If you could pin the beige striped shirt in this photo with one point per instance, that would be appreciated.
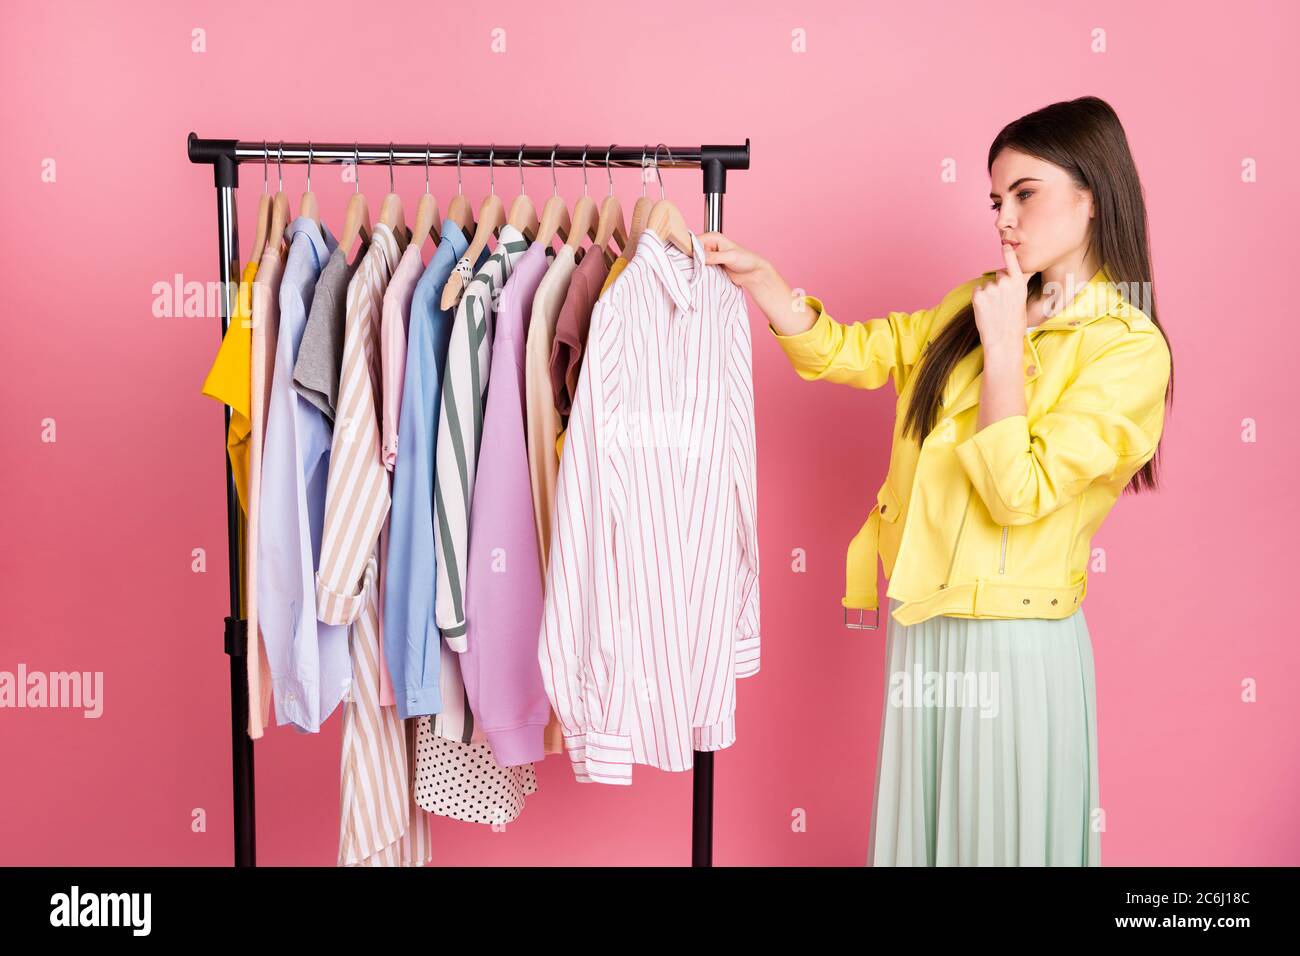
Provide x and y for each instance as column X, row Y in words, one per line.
column 380, row 824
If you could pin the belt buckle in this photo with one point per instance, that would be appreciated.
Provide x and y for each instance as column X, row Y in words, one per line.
column 859, row 626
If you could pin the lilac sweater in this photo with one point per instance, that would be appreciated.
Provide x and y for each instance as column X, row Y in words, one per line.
column 503, row 578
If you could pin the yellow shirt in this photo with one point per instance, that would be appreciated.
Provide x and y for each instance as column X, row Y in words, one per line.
column 615, row 268
column 999, row 520
column 229, row 381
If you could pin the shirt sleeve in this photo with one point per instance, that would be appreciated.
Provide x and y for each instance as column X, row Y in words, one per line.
column 392, row 357
column 864, row 354
column 580, row 647
column 1105, row 426
column 411, row 642
column 503, row 587
column 284, row 555
column 744, row 468
column 455, row 463
column 356, row 497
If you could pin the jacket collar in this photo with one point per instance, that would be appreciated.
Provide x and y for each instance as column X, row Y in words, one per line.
column 669, row 264
column 1097, row 298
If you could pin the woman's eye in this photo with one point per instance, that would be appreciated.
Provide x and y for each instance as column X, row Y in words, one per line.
column 1022, row 196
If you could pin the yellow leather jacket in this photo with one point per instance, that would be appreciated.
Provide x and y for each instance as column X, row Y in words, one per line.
column 998, row 522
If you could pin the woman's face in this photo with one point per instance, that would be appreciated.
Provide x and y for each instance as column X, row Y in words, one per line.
column 1038, row 207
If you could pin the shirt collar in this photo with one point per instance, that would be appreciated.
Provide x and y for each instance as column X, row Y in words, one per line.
column 322, row 242
column 452, row 234
column 509, row 234
column 664, row 259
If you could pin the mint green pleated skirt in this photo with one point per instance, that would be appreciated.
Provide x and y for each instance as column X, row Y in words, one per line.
column 988, row 745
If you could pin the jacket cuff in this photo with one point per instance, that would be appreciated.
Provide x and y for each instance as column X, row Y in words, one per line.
column 747, row 656
column 810, row 348
column 988, row 455
column 518, row 745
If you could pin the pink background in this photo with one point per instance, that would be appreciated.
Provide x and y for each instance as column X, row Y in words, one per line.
column 845, row 196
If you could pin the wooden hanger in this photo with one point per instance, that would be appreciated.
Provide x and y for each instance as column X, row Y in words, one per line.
column 666, row 219
column 308, row 206
column 263, row 212
column 555, row 214
column 460, row 212
column 640, row 214
column 356, row 220
column 279, row 209
column 426, row 212
column 491, row 217
column 390, row 211
column 610, row 223
column 584, row 216
column 523, row 215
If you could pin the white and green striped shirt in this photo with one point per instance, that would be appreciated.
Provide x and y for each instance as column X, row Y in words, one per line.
column 460, row 429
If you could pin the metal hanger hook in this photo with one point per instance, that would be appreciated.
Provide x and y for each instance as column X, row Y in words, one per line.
column 356, row 168
column 584, row 168
column 308, row 165
column 279, row 165
column 521, row 169
column 492, row 175
column 459, row 190
column 609, row 172
column 643, row 170
column 426, row 167
column 390, row 168
column 657, row 172
column 555, row 190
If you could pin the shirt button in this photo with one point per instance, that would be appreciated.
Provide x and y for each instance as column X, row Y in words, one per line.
column 1032, row 369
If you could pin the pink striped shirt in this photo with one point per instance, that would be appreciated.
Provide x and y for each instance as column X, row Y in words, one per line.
column 651, row 599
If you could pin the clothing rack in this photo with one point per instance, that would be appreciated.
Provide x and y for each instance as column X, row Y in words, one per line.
column 225, row 156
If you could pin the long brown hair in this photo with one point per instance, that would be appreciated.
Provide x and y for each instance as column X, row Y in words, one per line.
column 1084, row 137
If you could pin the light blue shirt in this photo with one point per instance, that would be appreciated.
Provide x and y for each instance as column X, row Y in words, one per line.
column 411, row 637
column 311, row 669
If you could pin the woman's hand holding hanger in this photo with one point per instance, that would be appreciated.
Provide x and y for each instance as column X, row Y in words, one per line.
column 786, row 312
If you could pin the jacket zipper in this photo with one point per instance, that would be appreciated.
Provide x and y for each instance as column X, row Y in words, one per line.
column 1002, row 568
column 952, row 562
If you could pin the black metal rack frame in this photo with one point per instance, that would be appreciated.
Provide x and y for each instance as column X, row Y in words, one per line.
column 225, row 156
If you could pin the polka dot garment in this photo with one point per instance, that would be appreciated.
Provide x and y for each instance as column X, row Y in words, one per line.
column 463, row 780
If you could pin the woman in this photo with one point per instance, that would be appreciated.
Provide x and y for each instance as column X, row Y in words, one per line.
column 1028, row 400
